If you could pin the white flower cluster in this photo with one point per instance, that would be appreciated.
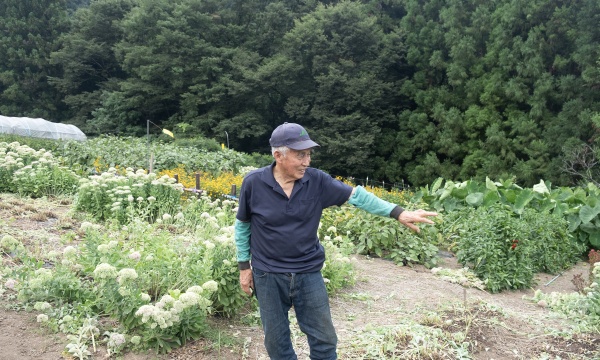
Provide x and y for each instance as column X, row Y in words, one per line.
column 41, row 276
column 70, row 252
column 125, row 275
column 166, row 312
column 209, row 245
column 135, row 340
column 225, row 239
column 86, row 225
column 210, row 286
column 105, row 271
column 196, row 289
column 8, row 243
column 42, row 306
column 15, row 153
column 115, row 340
column 106, row 248
column 245, row 169
column 124, row 189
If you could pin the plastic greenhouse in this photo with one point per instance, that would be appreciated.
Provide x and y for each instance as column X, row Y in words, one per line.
column 39, row 128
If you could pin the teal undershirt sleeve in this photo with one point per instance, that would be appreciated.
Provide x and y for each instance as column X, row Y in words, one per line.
column 242, row 240
column 369, row 202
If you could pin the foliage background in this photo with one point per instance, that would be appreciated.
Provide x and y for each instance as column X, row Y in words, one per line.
column 393, row 90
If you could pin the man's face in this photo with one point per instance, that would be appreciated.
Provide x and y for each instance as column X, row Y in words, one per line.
column 294, row 163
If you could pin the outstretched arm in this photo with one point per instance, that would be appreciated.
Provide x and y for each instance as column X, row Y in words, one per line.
column 367, row 201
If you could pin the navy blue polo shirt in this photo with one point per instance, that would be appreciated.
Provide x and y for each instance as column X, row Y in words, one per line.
column 284, row 230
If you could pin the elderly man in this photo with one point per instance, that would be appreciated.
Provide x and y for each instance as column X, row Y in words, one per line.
column 276, row 226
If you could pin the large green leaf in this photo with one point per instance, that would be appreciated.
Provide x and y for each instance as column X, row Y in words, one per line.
column 547, row 205
column 460, row 193
column 490, row 198
column 591, row 201
column 588, row 213
column 489, row 184
column 561, row 208
column 523, row 198
column 474, row 199
column 595, row 240
column 436, row 184
column 451, row 204
column 563, row 194
column 574, row 222
column 590, row 228
column 447, row 190
column 509, row 195
column 473, row 186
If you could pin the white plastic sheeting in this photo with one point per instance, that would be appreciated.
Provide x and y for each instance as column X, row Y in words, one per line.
column 39, row 128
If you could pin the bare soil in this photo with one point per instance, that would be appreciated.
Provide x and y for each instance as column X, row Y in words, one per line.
column 498, row 326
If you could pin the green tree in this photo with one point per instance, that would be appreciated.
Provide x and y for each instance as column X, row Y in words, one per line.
column 499, row 88
column 29, row 31
column 90, row 67
column 337, row 72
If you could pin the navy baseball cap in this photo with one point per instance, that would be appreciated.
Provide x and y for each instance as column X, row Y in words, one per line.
column 291, row 135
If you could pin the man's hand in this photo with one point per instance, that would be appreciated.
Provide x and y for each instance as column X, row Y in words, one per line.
column 246, row 281
column 409, row 218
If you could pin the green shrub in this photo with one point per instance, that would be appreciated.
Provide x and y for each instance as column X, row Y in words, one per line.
column 34, row 173
column 506, row 250
column 33, row 142
column 45, row 177
column 126, row 197
column 383, row 237
column 554, row 249
column 494, row 245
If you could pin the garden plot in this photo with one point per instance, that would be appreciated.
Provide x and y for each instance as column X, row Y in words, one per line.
column 391, row 312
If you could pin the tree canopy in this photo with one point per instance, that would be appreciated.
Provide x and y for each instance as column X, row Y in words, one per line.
column 392, row 89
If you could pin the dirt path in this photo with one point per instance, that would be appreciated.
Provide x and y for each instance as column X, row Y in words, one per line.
column 384, row 295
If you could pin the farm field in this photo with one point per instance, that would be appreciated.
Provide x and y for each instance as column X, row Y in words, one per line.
column 390, row 307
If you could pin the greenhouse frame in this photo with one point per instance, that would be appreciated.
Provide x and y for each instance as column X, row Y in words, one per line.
column 39, row 128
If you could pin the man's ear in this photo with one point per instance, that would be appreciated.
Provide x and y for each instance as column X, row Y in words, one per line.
column 278, row 155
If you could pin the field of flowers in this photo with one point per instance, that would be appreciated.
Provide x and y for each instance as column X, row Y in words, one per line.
column 158, row 261
column 153, row 260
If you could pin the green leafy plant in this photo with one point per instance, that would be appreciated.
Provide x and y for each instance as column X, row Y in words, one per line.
column 383, row 237
column 493, row 246
column 505, row 250
column 44, row 178
column 34, row 173
column 125, row 197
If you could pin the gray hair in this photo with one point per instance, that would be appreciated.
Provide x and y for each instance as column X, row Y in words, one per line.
column 281, row 149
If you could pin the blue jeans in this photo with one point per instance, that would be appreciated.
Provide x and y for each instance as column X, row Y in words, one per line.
column 276, row 293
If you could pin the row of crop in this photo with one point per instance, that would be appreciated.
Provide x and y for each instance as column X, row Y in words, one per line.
column 38, row 173
column 503, row 246
column 114, row 195
column 158, row 280
column 580, row 206
column 97, row 155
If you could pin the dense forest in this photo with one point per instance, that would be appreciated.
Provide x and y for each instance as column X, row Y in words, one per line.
column 392, row 89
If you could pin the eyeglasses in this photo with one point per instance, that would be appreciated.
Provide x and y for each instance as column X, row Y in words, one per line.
column 301, row 155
